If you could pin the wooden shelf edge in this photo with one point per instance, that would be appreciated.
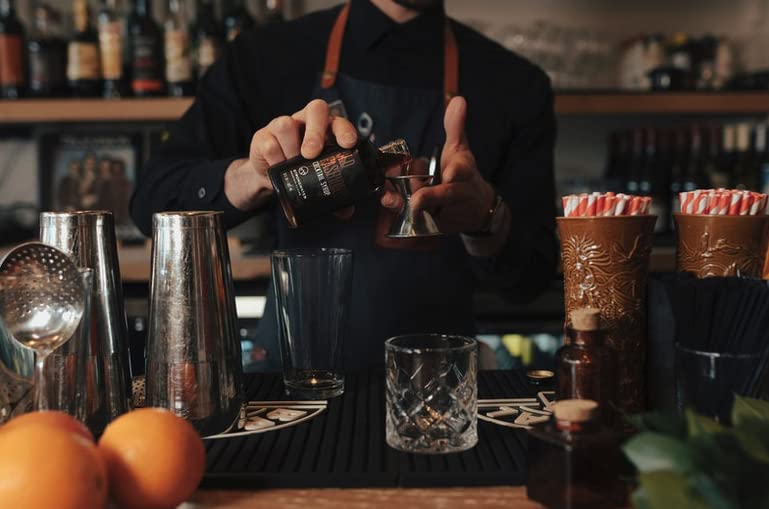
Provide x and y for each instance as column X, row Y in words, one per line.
column 661, row 103
column 566, row 104
column 91, row 110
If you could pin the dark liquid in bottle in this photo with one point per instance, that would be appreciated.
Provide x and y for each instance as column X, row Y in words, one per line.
column 338, row 178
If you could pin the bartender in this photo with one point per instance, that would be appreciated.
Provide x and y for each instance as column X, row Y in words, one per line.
column 397, row 69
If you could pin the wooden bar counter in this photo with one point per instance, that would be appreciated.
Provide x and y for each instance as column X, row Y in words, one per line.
column 446, row 498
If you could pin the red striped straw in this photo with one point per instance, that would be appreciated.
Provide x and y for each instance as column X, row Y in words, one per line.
column 600, row 204
column 734, row 203
column 746, row 204
column 591, row 203
column 700, row 204
column 582, row 205
column 712, row 206
column 757, row 200
column 692, row 204
column 646, row 205
column 620, row 205
column 634, row 208
column 609, row 204
column 724, row 199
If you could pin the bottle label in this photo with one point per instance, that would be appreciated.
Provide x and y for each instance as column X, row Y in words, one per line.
column 308, row 189
column 178, row 60
column 83, row 61
column 208, row 52
column 147, row 73
column 111, row 46
column 11, row 61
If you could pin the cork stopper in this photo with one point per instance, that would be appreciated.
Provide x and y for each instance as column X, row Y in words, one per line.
column 585, row 319
column 575, row 410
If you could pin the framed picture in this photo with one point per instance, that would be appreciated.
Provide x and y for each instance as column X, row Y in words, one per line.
column 91, row 171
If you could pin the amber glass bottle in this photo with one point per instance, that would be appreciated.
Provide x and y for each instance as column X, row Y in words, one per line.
column 308, row 189
column 573, row 461
column 584, row 366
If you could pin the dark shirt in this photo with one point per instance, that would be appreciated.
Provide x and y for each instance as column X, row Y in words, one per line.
column 271, row 71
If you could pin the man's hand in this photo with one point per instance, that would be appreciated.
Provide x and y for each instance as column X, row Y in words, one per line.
column 461, row 202
column 304, row 133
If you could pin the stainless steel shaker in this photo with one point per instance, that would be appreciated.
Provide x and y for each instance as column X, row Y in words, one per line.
column 193, row 348
column 89, row 237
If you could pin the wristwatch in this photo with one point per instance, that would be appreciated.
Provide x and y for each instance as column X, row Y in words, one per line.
column 493, row 217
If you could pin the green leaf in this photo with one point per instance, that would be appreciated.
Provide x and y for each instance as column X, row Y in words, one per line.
column 668, row 423
column 700, row 425
column 709, row 490
column 745, row 407
column 640, row 500
column 668, row 490
column 753, row 435
column 650, row 452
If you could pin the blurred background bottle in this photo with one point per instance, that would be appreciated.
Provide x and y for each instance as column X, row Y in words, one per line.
column 179, row 78
column 111, row 33
column 47, row 55
column 12, row 69
column 83, row 60
column 147, row 69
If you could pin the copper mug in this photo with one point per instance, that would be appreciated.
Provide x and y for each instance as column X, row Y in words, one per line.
column 606, row 266
column 721, row 245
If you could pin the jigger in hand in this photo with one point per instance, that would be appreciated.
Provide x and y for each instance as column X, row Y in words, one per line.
column 42, row 300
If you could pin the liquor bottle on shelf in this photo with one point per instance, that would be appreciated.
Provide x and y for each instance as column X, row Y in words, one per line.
column 653, row 180
column 47, row 55
column 236, row 18
column 179, row 76
column 743, row 170
column 679, row 166
column 712, row 158
column 147, row 67
column 726, row 158
column 111, row 42
column 207, row 37
column 83, row 61
column 762, row 156
column 273, row 12
column 12, row 69
column 636, row 162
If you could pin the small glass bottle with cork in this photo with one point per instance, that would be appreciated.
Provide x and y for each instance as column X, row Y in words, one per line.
column 574, row 461
column 585, row 366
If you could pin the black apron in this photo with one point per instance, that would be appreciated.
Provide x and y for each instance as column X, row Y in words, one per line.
column 396, row 290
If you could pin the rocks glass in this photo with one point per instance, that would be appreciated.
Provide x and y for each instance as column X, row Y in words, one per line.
column 431, row 393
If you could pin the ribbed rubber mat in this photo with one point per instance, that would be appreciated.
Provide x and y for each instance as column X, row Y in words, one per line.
column 345, row 446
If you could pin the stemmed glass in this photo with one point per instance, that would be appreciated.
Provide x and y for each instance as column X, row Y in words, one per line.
column 42, row 300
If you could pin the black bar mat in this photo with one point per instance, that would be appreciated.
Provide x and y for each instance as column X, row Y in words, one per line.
column 345, row 445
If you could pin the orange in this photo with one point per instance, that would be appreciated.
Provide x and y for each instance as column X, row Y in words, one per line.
column 51, row 418
column 42, row 467
column 155, row 459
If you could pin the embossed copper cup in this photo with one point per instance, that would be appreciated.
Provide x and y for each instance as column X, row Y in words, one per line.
column 721, row 245
column 605, row 266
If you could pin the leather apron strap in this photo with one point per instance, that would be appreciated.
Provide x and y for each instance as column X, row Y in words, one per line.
column 450, row 56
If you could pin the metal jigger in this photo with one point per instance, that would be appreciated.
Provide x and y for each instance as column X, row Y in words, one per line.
column 89, row 238
column 193, row 347
column 408, row 224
